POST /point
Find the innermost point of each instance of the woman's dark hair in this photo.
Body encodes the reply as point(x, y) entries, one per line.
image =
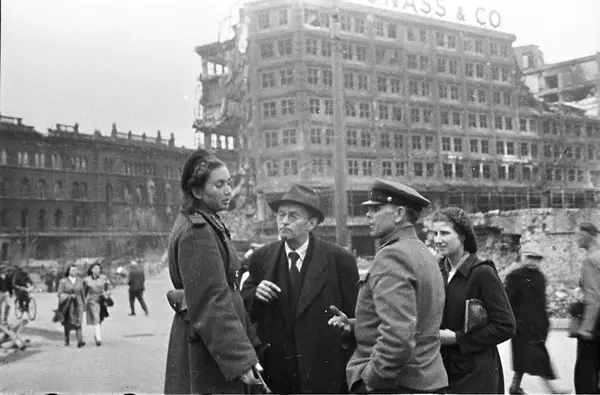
point(89, 271)
point(459, 220)
point(69, 269)
point(196, 172)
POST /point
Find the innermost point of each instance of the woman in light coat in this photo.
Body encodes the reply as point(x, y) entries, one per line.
point(96, 286)
point(70, 302)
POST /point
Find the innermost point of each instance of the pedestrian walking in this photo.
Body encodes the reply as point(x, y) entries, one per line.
point(71, 304)
point(49, 279)
point(400, 302)
point(211, 345)
point(587, 365)
point(6, 292)
point(470, 356)
point(292, 283)
point(97, 291)
point(526, 291)
point(137, 280)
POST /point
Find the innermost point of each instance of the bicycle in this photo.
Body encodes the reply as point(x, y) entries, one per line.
point(30, 303)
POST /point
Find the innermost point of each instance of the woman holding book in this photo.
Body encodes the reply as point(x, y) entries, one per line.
point(470, 337)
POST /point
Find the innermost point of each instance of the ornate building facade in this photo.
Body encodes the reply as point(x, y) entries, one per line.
point(68, 194)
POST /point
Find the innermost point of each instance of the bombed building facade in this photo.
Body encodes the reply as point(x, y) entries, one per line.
point(436, 104)
point(68, 194)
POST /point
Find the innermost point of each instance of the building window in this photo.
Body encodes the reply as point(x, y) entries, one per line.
point(352, 167)
point(352, 137)
point(348, 80)
point(364, 110)
point(446, 145)
point(447, 167)
point(350, 108)
point(423, 35)
point(385, 140)
point(474, 145)
point(311, 46)
point(416, 143)
point(365, 138)
point(313, 76)
point(287, 107)
point(391, 31)
point(386, 168)
point(410, 34)
point(418, 169)
point(271, 139)
point(458, 144)
point(397, 113)
point(290, 167)
point(475, 171)
point(272, 168)
point(328, 103)
point(580, 176)
point(289, 137)
point(315, 136)
point(327, 78)
point(485, 147)
point(500, 148)
point(383, 110)
point(381, 84)
point(524, 149)
point(314, 106)
point(398, 141)
point(269, 109)
point(285, 47)
point(346, 50)
point(400, 169)
point(363, 82)
point(429, 143)
point(266, 50)
point(317, 166)
point(329, 136)
point(263, 20)
point(395, 86)
point(361, 53)
point(283, 17)
point(286, 76)
point(378, 30)
point(367, 167)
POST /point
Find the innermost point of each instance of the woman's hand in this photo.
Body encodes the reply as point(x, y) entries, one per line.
point(339, 320)
point(447, 337)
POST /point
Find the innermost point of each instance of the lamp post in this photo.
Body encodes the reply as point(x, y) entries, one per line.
point(339, 127)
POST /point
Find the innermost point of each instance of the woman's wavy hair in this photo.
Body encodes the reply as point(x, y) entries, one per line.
point(89, 271)
point(69, 269)
point(459, 220)
point(196, 173)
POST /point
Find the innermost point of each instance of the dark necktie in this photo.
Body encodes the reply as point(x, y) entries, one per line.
point(294, 272)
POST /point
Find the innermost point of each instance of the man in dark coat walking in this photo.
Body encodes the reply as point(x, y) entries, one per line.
point(291, 284)
point(137, 280)
point(526, 291)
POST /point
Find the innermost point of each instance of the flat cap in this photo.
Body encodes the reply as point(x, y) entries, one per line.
point(532, 250)
point(390, 192)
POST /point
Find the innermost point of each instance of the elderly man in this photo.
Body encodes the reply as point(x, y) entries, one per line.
point(291, 284)
point(400, 303)
point(587, 366)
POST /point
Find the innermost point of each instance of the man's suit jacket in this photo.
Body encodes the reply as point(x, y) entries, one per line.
point(136, 278)
point(331, 279)
point(398, 316)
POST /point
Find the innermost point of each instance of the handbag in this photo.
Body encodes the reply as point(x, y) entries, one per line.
point(576, 312)
point(475, 315)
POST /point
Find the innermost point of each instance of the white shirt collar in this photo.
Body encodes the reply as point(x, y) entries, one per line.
point(453, 271)
point(301, 251)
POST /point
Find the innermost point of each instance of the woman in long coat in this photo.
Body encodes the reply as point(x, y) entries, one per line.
point(471, 359)
point(210, 347)
point(70, 304)
point(526, 290)
point(96, 286)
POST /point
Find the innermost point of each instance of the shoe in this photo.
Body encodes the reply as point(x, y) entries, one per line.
point(80, 344)
point(147, 313)
point(131, 314)
point(517, 391)
point(66, 344)
point(98, 343)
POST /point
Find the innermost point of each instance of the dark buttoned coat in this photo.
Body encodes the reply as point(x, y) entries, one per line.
point(209, 346)
point(398, 316)
point(473, 364)
point(331, 279)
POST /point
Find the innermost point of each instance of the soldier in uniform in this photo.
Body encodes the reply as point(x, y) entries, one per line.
point(400, 302)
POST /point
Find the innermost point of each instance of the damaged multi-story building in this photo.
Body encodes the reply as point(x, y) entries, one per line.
point(433, 103)
point(574, 83)
point(67, 194)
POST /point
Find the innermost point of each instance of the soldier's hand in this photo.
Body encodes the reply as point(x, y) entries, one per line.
point(267, 291)
point(339, 320)
point(249, 378)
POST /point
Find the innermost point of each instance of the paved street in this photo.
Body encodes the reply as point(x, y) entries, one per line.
point(132, 356)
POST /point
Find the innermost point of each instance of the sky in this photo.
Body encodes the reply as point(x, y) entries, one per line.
point(132, 62)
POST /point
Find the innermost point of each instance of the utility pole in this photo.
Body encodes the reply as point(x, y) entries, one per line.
point(339, 127)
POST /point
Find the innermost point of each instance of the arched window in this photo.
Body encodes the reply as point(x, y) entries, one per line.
point(84, 190)
point(42, 219)
point(138, 195)
point(58, 190)
point(76, 219)
point(109, 193)
point(25, 190)
point(4, 219)
point(41, 188)
point(3, 157)
point(151, 193)
point(56, 162)
point(75, 190)
point(58, 219)
point(127, 194)
point(24, 218)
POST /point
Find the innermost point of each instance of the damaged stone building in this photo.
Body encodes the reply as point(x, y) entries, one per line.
point(433, 103)
point(67, 194)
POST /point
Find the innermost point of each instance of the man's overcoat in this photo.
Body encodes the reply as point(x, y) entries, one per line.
point(331, 279)
point(209, 347)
